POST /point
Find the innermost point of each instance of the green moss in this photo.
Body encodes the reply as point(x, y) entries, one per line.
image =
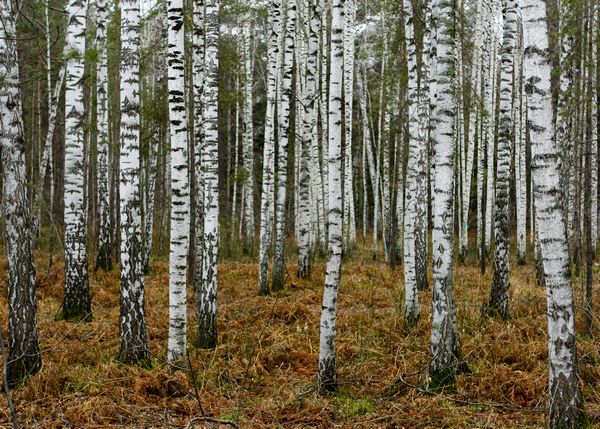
point(351, 406)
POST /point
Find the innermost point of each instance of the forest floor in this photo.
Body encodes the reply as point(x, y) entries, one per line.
point(262, 374)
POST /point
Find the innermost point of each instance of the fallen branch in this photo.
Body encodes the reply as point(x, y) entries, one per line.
point(195, 420)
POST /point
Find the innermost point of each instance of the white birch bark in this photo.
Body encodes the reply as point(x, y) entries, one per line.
point(236, 157)
point(267, 196)
point(594, 123)
point(77, 300)
point(498, 303)
point(349, 33)
point(104, 255)
point(309, 159)
point(564, 120)
point(207, 329)
point(386, 207)
point(24, 356)
point(199, 74)
point(180, 196)
point(366, 145)
point(132, 322)
point(520, 150)
point(491, 173)
point(248, 136)
point(414, 167)
point(327, 372)
point(380, 149)
point(46, 154)
point(157, 29)
point(465, 148)
point(149, 199)
point(486, 120)
point(473, 121)
point(444, 337)
point(284, 133)
point(422, 224)
point(323, 112)
point(564, 395)
point(313, 63)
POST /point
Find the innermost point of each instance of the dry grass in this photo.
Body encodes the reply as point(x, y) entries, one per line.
point(263, 372)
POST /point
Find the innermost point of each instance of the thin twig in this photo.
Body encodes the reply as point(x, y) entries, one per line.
point(193, 375)
point(191, 423)
point(462, 401)
point(11, 406)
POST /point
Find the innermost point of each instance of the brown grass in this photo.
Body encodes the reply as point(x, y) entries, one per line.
point(262, 375)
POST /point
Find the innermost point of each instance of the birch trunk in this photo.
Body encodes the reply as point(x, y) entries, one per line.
point(132, 323)
point(312, 94)
point(309, 160)
point(564, 395)
point(498, 303)
point(367, 144)
point(266, 202)
point(180, 196)
point(445, 352)
point(104, 255)
point(491, 146)
point(323, 112)
point(248, 138)
point(520, 154)
point(349, 32)
point(207, 305)
point(284, 132)
point(327, 372)
point(198, 42)
point(473, 125)
point(24, 356)
point(150, 199)
point(487, 131)
point(77, 301)
point(564, 121)
point(414, 168)
point(594, 123)
point(424, 115)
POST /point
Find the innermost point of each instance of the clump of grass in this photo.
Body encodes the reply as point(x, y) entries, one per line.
point(351, 406)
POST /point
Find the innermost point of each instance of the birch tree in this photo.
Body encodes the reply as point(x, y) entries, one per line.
point(77, 301)
point(198, 41)
point(424, 97)
point(310, 172)
point(284, 133)
point(327, 372)
point(519, 115)
point(349, 33)
point(180, 196)
point(499, 294)
point(104, 255)
point(414, 168)
point(474, 115)
point(24, 355)
point(445, 353)
point(132, 323)
point(491, 141)
point(564, 395)
point(266, 202)
point(248, 136)
point(207, 305)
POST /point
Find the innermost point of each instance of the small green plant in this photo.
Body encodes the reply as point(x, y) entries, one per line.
point(351, 405)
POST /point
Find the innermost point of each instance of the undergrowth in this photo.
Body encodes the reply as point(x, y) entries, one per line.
point(263, 372)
